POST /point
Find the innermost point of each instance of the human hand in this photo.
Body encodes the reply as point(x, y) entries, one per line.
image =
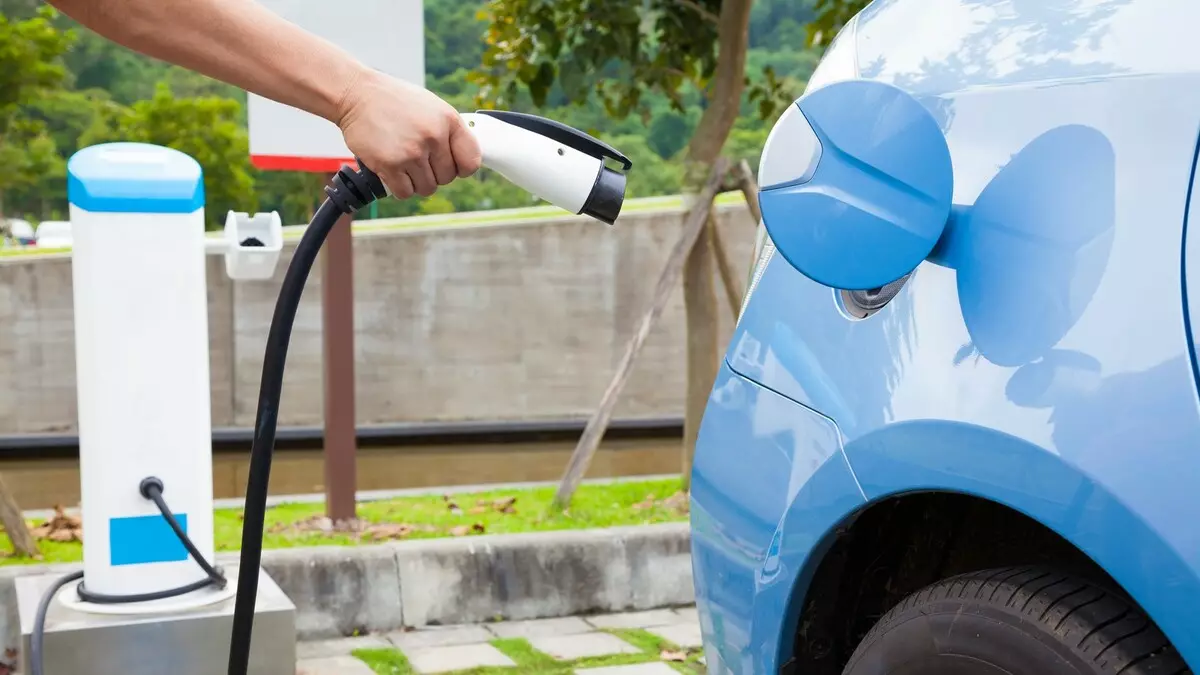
point(412, 139)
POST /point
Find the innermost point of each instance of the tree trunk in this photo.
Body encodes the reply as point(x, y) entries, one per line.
point(724, 102)
point(14, 524)
point(693, 229)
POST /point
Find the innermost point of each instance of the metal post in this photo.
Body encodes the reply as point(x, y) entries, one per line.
point(337, 299)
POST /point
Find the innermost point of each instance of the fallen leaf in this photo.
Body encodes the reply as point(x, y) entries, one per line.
point(476, 510)
point(678, 502)
point(382, 531)
point(668, 655)
point(505, 505)
point(647, 503)
point(463, 530)
point(454, 507)
point(60, 527)
point(321, 525)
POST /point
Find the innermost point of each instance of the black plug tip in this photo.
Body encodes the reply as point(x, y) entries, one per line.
point(607, 196)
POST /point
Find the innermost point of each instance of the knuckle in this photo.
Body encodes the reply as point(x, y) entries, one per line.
point(411, 152)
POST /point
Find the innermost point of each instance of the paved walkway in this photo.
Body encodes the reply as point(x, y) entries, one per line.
point(657, 642)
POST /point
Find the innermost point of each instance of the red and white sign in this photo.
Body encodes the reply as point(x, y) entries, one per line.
point(388, 35)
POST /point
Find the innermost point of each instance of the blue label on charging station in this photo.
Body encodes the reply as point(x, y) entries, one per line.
point(145, 539)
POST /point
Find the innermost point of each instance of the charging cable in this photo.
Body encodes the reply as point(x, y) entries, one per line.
point(349, 191)
point(152, 489)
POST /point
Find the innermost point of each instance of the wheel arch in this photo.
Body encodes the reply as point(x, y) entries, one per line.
point(927, 495)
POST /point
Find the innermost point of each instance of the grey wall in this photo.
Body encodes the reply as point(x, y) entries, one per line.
point(516, 321)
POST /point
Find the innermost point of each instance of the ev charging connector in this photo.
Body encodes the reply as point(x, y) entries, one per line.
point(549, 160)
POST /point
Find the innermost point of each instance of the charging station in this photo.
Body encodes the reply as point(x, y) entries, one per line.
point(145, 428)
point(150, 583)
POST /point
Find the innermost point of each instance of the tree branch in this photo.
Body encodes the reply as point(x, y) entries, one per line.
point(695, 7)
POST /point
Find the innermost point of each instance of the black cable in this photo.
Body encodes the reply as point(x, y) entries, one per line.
point(151, 488)
point(350, 190)
point(39, 622)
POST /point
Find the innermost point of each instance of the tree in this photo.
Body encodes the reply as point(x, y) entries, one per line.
point(831, 16)
point(617, 51)
point(31, 66)
point(207, 128)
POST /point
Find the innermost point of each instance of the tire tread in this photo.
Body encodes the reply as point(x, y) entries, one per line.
point(1098, 625)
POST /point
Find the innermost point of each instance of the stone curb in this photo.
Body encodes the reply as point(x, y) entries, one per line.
point(339, 591)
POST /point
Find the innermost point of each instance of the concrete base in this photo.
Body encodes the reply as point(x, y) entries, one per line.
point(194, 642)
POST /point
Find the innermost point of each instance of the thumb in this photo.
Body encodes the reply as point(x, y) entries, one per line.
point(468, 156)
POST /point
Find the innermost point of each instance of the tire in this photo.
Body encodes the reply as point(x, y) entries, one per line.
point(1015, 621)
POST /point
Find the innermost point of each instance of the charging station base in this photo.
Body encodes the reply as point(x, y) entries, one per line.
point(189, 642)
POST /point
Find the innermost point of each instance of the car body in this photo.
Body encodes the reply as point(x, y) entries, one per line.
point(1030, 392)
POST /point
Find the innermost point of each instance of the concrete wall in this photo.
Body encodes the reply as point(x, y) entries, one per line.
point(522, 320)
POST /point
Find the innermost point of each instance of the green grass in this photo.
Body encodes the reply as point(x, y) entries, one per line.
point(594, 505)
point(385, 661)
point(532, 662)
point(21, 252)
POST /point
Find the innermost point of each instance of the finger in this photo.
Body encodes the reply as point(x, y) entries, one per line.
point(421, 174)
point(399, 184)
point(444, 170)
point(467, 155)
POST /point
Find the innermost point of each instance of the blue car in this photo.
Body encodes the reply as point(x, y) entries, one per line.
point(957, 428)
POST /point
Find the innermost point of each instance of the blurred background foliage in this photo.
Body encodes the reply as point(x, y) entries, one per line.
point(63, 87)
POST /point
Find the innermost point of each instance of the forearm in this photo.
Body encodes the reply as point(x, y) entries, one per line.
point(235, 41)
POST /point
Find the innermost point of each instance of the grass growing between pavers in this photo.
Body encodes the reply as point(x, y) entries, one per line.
point(532, 662)
point(385, 661)
point(422, 517)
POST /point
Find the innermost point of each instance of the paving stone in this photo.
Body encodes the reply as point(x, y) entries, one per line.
point(682, 634)
point(439, 637)
point(583, 645)
point(456, 657)
point(338, 647)
point(333, 665)
point(656, 668)
point(655, 617)
point(570, 625)
point(688, 614)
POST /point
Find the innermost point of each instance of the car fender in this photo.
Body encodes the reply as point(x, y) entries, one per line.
point(955, 457)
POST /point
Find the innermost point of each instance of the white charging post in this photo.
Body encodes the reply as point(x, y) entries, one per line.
point(142, 373)
point(142, 365)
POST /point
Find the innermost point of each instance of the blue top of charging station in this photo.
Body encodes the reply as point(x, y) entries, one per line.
point(134, 178)
point(879, 197)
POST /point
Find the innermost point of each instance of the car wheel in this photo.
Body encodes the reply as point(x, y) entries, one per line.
point(1015, 621)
